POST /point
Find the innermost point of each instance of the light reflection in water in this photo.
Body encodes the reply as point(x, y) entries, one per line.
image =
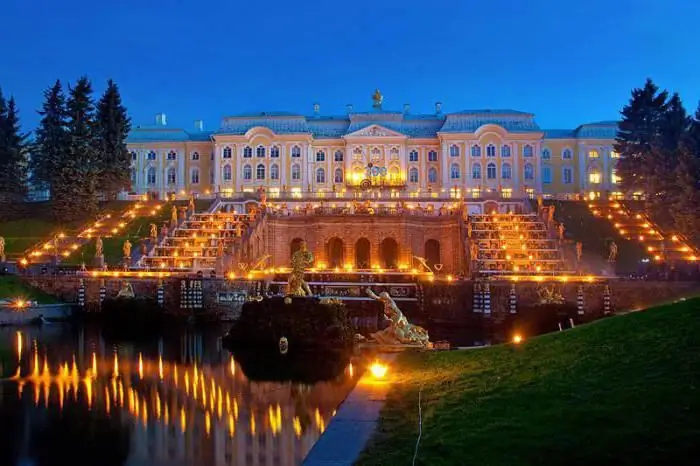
point(205, 396)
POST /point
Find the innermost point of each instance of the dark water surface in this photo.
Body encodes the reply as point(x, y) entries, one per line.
point(70, 396)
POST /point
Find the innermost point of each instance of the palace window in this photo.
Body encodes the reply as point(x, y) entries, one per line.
point(432, 156)
point(594, 177)
point(476, 171)
point(194, 176)
point(593, 154)
point(376, 154)
point(338, 176)
point(296, 152)
point(357, 154)
point(505, 151)
point(320, 175)
point(413, 156)
point(476, 151)
point(546, 175)
point(490, 150)
point(454, 171)
point(133, 155)
point(172, 155)
point(529, 171)
point(567, 154)
point(227, 152)
point(296, 172)
point(394, 154)
point(133, 175)
point(546, 154)
point(260, 151)
point(567, 175)
point(614, 155)
point(195, 155)
point(260, 172)
point(394, 173)
point(172, 175)
point(454, 150)
point(320, 156)
point(527, 150)
point(614, 179)
point(274, 152)
point(247, 152)
point(151, 155)
point(338, 156)
point(274, 171)
point(432, 175)
point(228, 172)
point(506, 171)
point(491, 171)
point(151, 175)
point(413, 175)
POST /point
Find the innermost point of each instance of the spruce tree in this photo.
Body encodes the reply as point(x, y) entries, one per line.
point(50, 148)
point(112, 128)
point(13, 166)
point(685, 202)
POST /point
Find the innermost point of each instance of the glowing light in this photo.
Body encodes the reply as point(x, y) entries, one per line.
point(517, 338)
point(674, 238)
point(140, 366)
point(378, 370)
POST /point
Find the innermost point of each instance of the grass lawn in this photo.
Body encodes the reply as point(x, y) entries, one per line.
point(623, 391)
point(12, 287)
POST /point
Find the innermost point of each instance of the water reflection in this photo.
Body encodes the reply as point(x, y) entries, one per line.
point(70, 397)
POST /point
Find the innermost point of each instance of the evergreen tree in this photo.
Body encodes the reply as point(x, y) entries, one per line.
point(112, 127)
point(49, 151)
point(685, 205)
point(13, 166)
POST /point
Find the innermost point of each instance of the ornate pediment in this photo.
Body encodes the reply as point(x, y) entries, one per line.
point(375, 131)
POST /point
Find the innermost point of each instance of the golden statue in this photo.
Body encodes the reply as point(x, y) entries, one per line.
point(296, 286)
point(126, 291)
point(378, 98)
point(126, 249)
point(98, 247)
point(550, 295)
point(399, 331)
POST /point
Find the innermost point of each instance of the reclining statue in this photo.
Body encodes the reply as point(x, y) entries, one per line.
point(399, 331)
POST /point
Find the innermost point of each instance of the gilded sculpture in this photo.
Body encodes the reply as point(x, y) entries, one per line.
point(301, 259)
point(399, 331)
point(99, 251)
point(378, 98)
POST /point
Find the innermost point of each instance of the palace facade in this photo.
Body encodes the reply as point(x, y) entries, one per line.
point(466, 155)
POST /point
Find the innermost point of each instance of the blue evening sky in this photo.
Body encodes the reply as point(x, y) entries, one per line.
point(567, 61)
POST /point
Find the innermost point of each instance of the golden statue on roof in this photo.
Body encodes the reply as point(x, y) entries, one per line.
point(378, 98)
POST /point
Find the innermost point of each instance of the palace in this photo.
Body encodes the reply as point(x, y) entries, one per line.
point(470, 154)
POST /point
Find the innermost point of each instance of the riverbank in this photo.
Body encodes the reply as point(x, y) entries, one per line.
point(619, 391)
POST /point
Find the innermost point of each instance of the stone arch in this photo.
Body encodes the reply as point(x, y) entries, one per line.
point(432, 252)
point(490, 207)
point(389, 253)
point(294, 246)
point(362, 253)
point(334, 252)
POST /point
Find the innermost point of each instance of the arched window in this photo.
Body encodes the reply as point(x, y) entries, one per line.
point(228, 172)
point(432, 156)
point(296, 152)
point(260, 172)
point(274, 152)
point(413, 156)
point(413, 175)
point(376, 154)
point(394, 154)
point(172, 175)
point(527, 150)
point(506, 171)
point(227, 152)
point(338, 175)
point(151, 175)
point(320, 156)
point(454, 171)
point(566, 154)
point(247, 172)
point(546, 154)
point(247, 152)
point(432, 175)
point(490, 150)
point(357, 153)
point(133, 155)
point(320, 175)
point(338, 156)
point(476, 151)
point(593, 154)
point(296, 172)
point(151, 155)
point(260, 151)
point(614, 177)
point(529, 171)
point(491, 171)
point(454, 150)
point(194, 176)
point(476, 171)
point(505, 150)
point(394, 173)
point(594, 176)
point(172, 155)
point(274, 171)
point(195, 155)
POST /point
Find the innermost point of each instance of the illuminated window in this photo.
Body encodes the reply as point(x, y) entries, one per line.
point(432, 175)
point(413, 175)
point(432, 156)
point(546, 154)
point(247, 172)
point(490, 150)
point(194, 176)
point(547, 175)
point(593, 154)
point(506, 171)
point(296, 172)
point(338, 175)
point(529, 171)
point(413, 156)
point(567, 175)
point(614, 178)
point(296, 152)
point(567, 154)
point(454, 150)
point(594, 177)
point(260, 151)
point(506, 193)
point(172, 175)
point(320, 175)
point(275, 152)
point(274, 171)
point(247, 152)
point(394, 153)
point(505, 151)
point(338, 156)
point(454, 171)
point(476, 151)
point(614, 155)
point(376, 154)
point(195, 155)
point(491, 171)
point(476, 171)
point(357, 154)
point(172, 155)
point(476, 193)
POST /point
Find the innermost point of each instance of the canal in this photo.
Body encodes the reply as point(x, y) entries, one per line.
point(73, 394)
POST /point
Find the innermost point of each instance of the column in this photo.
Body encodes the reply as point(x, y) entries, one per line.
point(582, 167)
point(605, 182)
point(515, 164)
point(283, 162)
point(538, 167)
point(159, 174)
point(140, 165)
point(467, 173)
point(423, 172)
point(444, 164)
point(181, 175)
point(215, 167)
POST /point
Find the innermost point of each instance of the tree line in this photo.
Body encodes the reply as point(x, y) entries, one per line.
point(78, 153)
point(659, 147)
